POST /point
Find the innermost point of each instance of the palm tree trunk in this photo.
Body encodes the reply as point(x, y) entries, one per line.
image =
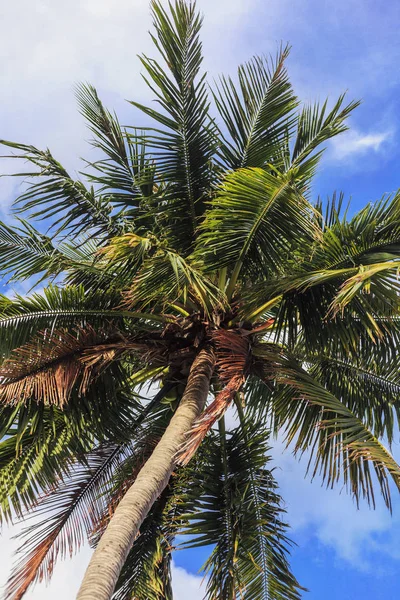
point(108, 559)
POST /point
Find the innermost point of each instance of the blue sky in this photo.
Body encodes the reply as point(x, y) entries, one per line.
point(47, 46)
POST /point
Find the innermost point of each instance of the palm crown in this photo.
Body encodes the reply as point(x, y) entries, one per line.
point(194, 234)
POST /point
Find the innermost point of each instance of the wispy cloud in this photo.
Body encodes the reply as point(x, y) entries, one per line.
point(355, 143)
point(357, 536)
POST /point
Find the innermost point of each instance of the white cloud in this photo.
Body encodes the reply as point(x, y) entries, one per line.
point(187, 585)
point(331, 516)
point(46, 47)
point(354, 143)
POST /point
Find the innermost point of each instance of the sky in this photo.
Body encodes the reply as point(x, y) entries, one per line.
point(47, 46)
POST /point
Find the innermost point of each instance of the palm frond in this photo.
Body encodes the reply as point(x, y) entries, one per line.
point(341, 445)
point(39, 447)
point(68, 514)
point(48, 368)
point(83, 485)
point(24, 252)
point(23, 317)
point(67, 202)
point(369, 385)
point(378, 279)
point(259, 114)
point(315, 127)
point(184, 142)
point(126, 175)
point(235, 506)
point(167, 277)
point(254, 219)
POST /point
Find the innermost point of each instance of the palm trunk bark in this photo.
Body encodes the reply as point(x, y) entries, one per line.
point(108, 559)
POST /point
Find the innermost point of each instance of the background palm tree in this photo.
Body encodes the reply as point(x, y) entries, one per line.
point(194, 259)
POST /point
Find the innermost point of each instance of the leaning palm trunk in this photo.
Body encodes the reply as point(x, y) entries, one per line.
point(112, 551)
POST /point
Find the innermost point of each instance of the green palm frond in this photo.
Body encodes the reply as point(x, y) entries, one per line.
point(71, 499)
point(315, 127)
point(67, 202)
point(22, 318)
point(342, 446)
point(25, 252)
point(378, 279)
point(365, 291)
point(167, 277)
point(370, 236)
point(84, 265)
point(254, 220)
point(327, 304)
point(39, 447)
point(67, 487)
point(235, 506)
point(258, 113)
point(40, 442)
point(126, 175)
point(67, 514)
point(368, 385)
point(184, 141)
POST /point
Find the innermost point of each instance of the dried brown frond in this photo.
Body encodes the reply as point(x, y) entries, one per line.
point(210, 416)
point(32, 570)
point(233, 360)
point(65, 514)
point(48, 368)
point(233, 353)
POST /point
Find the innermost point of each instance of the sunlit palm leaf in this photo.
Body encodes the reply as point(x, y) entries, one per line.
point(167, 277)
point(258, 113)
point(315, 127)
point(184, 142)
point(254, 219)
point(34, 454)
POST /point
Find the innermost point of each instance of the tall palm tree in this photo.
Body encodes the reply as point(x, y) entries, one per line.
point(194, 260)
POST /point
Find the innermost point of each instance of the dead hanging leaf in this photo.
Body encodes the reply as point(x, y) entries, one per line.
point(233, 353)
point(233, 361)
point(48, 368)
point(211, 415)
point(52, 385)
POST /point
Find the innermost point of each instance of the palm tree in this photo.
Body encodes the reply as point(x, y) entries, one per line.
point(194, 260)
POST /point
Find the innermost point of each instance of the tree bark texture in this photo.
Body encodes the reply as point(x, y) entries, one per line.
point(110, 555)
